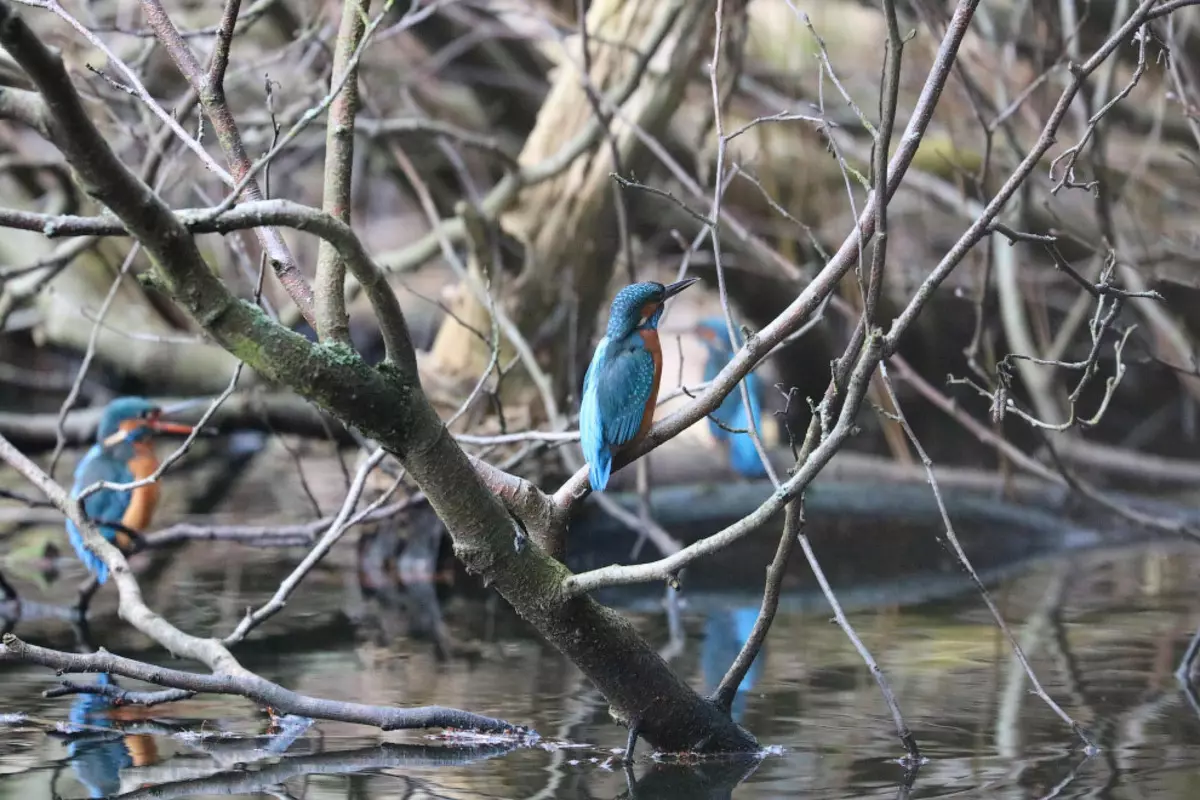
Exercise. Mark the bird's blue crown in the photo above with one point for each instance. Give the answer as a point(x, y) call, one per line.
point(626, 311)
point(119, 410)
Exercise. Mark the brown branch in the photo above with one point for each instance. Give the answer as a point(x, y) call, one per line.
point(211, 90)
point(332, 322)
point(224, 32)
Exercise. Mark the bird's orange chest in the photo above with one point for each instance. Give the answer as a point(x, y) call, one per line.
point(144, 499)
point(654, 348)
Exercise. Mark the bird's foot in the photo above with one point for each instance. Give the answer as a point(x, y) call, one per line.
point(635, 729)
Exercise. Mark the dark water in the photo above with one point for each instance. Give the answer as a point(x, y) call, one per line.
point(1104, 630)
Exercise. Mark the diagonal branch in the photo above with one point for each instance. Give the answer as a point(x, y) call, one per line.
point(961, 555)
point(792, 525)
point(664, 569)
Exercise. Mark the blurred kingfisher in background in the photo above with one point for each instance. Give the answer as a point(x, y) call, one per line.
point(620, 389)
point(123, 453)
point(730, 416)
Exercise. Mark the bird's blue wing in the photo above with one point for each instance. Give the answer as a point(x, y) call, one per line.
point(591, 430)
point(615, 392)
point(105, 505)
point(623, 389)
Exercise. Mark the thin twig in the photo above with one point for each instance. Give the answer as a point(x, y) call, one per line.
point(728, 687)
point(339, 526)
point(961, 554)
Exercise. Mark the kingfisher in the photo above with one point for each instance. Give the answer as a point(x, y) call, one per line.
point(123, 453)
point(729, 423)
point(620, 389)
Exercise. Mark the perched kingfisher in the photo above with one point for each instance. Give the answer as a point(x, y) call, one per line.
point(731, 414)
point(123, 453)
point(620, 389)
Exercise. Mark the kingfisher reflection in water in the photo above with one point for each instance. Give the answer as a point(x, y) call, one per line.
point(97, 757)
point(725, 632)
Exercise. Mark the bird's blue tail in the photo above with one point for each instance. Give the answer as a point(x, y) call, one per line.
point(743, 457)
point(600, 467)
point(90, 560)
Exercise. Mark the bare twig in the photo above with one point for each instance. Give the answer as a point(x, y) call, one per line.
point(792, 525)
point(902, 730)
point(339, 526)
point(952, 537)
point(60, 436)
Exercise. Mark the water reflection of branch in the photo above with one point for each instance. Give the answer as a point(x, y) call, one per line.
point(385, 756)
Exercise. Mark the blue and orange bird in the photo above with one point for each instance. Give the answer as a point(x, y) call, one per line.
point(730, 416)
point(123, 453)
point(620, 389)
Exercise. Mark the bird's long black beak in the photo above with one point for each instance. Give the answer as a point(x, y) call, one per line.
point(672, 289)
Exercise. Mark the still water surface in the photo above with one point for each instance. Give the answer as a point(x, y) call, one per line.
point(1104, 629)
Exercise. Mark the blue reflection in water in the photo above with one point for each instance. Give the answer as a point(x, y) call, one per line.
point(97, 758)
point(725, 632)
